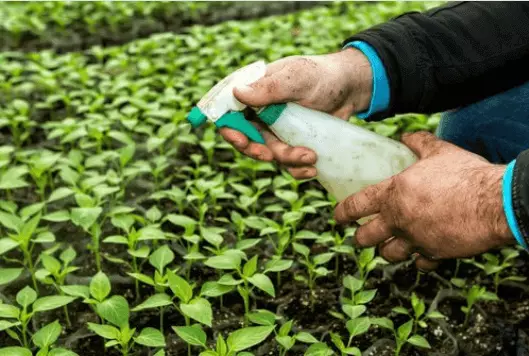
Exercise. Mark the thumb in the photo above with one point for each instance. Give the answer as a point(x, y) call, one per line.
point(422, 143)
point(265, 91)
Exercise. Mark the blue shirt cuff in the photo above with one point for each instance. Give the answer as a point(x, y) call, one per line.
point(507, 204)
point(380, 94)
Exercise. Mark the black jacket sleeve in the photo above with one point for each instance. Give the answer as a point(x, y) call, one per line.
point(451, 56)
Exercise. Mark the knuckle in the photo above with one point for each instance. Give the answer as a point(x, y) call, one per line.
point(351, 205)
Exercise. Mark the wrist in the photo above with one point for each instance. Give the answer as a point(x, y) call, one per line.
point(359, 77)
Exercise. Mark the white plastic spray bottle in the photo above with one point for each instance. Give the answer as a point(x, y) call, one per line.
point(349, 157)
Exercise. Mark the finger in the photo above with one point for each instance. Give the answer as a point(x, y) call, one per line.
point(245, 146)
point(289, 155)
point(422, 143)
point(395, 250)
point(277, 86)
point(424, 264)
point(372, 233)
point(303, 172)
point(235, 138)
point(364, 203)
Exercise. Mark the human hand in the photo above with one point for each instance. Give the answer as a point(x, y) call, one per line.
point(337, 83)
point(446, 205)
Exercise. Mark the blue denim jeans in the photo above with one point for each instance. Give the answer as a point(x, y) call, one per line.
point(496, 128)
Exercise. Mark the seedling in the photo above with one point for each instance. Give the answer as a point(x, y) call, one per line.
point(419, 317)
point(15, 319)
point(21, 229)
point(55, 271)
point(286, 341)
point(44, 339)
point(115, 311)
point(314, 266)
point(496, 267)
point(189, 306)
point(472, 295)
point(403, 334)
point(237, 341)
point(249, 278)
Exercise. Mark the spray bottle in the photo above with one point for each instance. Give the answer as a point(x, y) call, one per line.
point(349, 157)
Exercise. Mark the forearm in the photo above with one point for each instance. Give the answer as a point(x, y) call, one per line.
point(450, 56)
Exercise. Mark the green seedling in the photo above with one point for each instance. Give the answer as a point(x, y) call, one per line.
point(496, 267)
point(243, 224)
point(248, 275)
point(17, 118)
point(338, 244)
point(175, 195)
point(287, 342)
point(115, 311)
point(15, 320)
point(314, 265)
point(403, 334)
point(41, 166)
point(95, 294)
point(86, 216)
point(22, 234)
point(189, 306)
point(46, 337)
point(353, 307)
point(472, 295)
point(419, 316)
point(367, 262)
point(183, 299)
point(55, 272)
point(319, 349)
point(236, 342)
point(136, 241)
point(159, 259)
point(44, 340)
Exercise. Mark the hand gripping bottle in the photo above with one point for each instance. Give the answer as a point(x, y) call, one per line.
point(349, 157)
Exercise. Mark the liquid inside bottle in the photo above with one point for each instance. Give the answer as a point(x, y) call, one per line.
point(350, 157)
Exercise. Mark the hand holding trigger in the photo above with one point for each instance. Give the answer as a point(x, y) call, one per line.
point(237, 121)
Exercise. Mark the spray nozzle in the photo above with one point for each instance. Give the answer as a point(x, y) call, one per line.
point(220, 106)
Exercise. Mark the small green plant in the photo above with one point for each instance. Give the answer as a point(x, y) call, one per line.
point(314, 266)
point(183, 300)
point(403, 334)
point(419, 317)
point(248, 277)
point(118, 332)
point(367, 262)
point(236, 342)
point(496, 267)
point(86, 216)
point(22, 229)
point(55, 271)
point(472, 294)
point(15, 320)
point(282, 337)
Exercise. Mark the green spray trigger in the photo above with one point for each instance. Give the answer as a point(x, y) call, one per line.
point(234, 120)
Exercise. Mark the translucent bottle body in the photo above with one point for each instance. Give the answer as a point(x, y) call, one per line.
point(350, 157)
